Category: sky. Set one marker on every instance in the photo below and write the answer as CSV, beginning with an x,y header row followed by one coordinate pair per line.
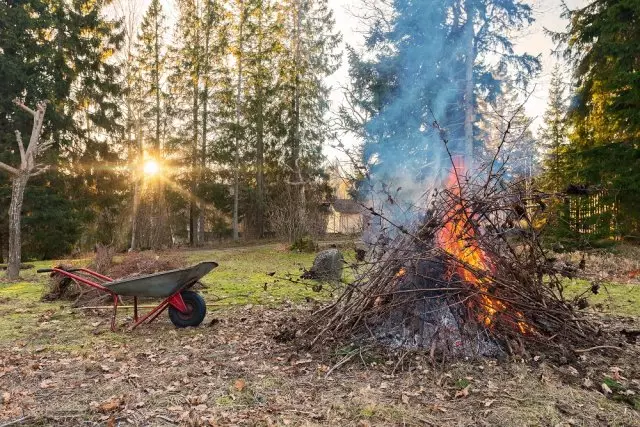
x,y
533,40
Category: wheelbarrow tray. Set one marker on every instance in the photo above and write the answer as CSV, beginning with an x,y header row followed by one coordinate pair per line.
x,y
161,285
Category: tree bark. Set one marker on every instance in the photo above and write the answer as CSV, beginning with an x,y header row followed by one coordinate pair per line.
x,y
296,143
236,183
193,209
19,183
260,208
19,179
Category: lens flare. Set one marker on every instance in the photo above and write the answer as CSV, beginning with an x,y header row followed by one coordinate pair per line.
x,y
151,167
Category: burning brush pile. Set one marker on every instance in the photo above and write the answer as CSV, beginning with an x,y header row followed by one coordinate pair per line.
x,y
471,278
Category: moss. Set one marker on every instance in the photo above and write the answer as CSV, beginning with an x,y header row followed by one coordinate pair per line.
x,y
242,276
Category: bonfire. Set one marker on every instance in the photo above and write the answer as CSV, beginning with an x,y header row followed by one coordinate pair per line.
x,y
470,278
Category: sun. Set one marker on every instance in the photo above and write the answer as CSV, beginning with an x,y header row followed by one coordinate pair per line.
x,y
151,167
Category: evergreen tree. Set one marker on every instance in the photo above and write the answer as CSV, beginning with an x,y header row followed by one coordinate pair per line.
x,y
310,43
602,43
554,133
151,96
43,58
151,64
263,49
433,60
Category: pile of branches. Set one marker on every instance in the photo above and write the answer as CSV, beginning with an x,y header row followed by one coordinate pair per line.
x,y
516,301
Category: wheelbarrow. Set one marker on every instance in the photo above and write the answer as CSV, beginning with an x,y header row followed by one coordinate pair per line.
x,y
186,308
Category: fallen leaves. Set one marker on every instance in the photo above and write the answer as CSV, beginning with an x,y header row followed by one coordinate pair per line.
x,y
239,385
463,393
107,406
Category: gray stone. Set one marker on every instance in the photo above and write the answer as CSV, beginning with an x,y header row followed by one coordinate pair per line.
x,y
326,266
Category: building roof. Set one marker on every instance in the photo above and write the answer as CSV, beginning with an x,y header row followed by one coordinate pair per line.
x,y
347,206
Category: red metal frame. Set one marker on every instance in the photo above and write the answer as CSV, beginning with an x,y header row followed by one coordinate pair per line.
x,y
175,300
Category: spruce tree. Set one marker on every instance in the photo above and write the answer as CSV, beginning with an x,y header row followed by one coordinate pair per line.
x,y
603,44
554,133
76,75
310,43
434,60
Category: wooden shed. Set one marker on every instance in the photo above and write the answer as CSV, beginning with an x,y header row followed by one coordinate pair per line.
x,y
345,217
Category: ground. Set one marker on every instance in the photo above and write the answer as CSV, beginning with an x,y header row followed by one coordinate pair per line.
x,y
62,366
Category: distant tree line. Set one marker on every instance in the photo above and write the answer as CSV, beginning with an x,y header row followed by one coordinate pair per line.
x,y
229,99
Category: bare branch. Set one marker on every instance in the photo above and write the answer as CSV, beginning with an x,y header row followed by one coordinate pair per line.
x,y
20,104
23,157
9,169
39,170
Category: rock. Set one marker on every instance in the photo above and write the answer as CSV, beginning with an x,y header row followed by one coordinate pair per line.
x,y
326,266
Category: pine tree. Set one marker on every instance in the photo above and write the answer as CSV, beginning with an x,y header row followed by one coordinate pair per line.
x,y
262,53
151,63
80,81
554,134
434,60
150,74
603,45
186,79
310,55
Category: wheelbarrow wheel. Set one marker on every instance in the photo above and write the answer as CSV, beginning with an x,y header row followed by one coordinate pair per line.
x,y
196,307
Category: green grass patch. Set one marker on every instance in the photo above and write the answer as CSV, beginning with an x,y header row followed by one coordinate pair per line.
x,y
241,278
614,298
243,275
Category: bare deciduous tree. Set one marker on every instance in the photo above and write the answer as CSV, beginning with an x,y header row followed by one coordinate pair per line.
x,y
19,177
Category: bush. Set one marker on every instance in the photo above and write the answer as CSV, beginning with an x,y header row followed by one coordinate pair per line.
x,y
304,244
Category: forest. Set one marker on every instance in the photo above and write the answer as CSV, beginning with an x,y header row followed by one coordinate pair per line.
x,y
398,212
229,103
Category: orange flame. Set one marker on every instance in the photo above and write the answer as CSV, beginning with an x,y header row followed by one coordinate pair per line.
x,y
457,237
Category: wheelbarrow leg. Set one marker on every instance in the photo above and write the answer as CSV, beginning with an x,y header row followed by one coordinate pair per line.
x,y
115,310
135,309
174,300
151,315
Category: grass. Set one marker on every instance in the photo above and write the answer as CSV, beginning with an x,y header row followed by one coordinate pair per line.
x,y
150,365
615,298
240,279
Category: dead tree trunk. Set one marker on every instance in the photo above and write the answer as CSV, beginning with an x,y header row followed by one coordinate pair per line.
x,y
19,178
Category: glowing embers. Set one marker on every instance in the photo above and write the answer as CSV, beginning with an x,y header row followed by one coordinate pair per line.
x,y
469,263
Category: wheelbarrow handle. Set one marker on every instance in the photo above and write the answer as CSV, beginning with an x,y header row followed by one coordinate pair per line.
x,y
49,270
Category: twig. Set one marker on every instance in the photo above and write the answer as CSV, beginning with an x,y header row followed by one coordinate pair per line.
x,y
16,421
167,419
341,362
598,347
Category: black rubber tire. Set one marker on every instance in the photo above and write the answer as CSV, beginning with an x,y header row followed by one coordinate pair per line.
x,y
198,309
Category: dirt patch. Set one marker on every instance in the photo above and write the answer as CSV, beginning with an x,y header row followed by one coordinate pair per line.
x,y
235,372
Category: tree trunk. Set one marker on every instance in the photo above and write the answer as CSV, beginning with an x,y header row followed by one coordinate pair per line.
x,y
236,183
260,208
469,107
193,209
297,143
18,185
205,106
